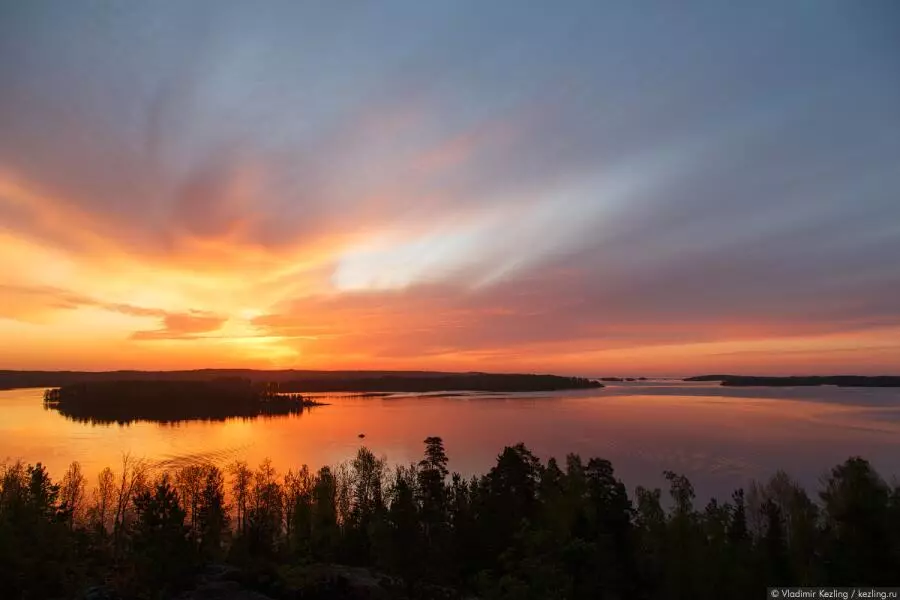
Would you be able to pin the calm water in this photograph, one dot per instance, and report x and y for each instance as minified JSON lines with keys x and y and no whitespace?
{"x":719,"y":437}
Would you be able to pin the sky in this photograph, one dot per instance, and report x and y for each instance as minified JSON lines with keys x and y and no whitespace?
{"x":594,"y":188}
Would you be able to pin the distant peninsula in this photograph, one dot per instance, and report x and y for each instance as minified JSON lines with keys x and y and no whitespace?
{"x":802,"y":381}
{"x":476,"y":382}
{"x":298,"y":381}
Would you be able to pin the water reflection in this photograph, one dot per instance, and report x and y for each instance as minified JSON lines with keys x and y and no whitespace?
{"x":718,"y":437}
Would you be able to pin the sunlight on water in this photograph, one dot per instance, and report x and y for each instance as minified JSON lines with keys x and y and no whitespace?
{"x":719,"y":437}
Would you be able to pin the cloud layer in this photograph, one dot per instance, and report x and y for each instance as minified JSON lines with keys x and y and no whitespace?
{"x":451,"y":185}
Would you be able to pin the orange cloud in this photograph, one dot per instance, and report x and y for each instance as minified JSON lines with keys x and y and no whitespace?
{"x":44,"y":299}
{"x":182,"y":327}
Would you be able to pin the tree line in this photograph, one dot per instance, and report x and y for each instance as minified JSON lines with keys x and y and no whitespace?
{"x":126,"y":401}
{"x":481,"y":382}
{"x":525,"y":529}
{"x":305,"y":380}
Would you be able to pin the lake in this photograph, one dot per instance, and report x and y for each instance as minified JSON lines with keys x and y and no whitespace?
{"x":720,"y":437}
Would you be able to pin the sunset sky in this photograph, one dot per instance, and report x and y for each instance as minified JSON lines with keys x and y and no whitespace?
{"x":592,"y":188}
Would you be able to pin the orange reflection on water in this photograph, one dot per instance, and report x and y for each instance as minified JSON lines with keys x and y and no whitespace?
{"x":720,"y":438}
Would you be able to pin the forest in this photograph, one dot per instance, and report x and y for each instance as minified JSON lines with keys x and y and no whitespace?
{"x":312,"y":381}
{"x":526,"y":529}
{"x":169,"y":401}
{"x":482,"y":382}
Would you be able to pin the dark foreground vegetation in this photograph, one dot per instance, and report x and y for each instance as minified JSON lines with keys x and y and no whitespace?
{"x":169,"y":401}
{"x":838,"y":380}
{"x":312,"y":381}
{"x":363,"y":530}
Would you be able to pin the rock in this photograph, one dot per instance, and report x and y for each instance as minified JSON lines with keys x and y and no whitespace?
{"x":221,"y":590}
{"x":221,"y":582}
{"x":99,"y":592}
{"x":339,"y":582}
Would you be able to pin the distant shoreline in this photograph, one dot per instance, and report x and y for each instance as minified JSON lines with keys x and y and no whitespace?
{"x":298,"y":381}
{"x":874,"y":381}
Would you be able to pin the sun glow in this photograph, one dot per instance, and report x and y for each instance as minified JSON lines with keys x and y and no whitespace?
{"x":234,"y":203}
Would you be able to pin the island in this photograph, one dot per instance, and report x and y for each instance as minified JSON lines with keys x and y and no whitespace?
{"x":128,"y":401}
{"x":801,"y":381}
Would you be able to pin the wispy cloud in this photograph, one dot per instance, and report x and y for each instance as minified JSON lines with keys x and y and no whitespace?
{"x":443,"y":184}
{"x":40,"y":299}
{"x":182,"y":326}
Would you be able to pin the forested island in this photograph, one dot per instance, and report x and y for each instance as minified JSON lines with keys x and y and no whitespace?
{"x":316,"y":381}
{"x":527,"y":529}
{"x":802,"y":381}
{"x":170,"y":401}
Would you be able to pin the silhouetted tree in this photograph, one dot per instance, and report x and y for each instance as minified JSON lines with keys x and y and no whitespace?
{"x":609,"y":529}
{"x":324,"y":531}
{"x":405,"y":536}
{"x":683,"y":541}
{"x":34,"y":547}
{"x":72,"y":492}
{"x":100,"y":513}
{"x":162,"y":551}
{"x":241,"y":479}
{"x":650,"y":524}
{"x":524,"y":530}
{"x":298,"y":489}
{"x":860,"y":550}
{"x":432,"y":499}
{"x":212,"y":515}
{"x":777,"y":566}
{"x":367,"y":506}
{"x":263,"y":524}
{"x":510,"y":490}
